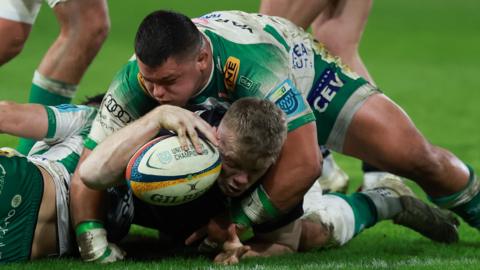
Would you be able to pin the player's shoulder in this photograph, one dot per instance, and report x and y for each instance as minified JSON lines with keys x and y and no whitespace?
{"x":127,"y":91}
{"x":234,"y":26}
{"x":128,"y":72}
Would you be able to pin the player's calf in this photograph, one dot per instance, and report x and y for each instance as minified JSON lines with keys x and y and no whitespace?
{"x":466,"y":202}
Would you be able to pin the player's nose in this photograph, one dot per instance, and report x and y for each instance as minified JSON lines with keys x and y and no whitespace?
{"x":158,"y":91}
{"x":240,"y":180}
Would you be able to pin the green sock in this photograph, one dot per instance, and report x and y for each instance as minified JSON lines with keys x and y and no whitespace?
{"x":363,"y":208}
{"x":45,"y":97}
{"x":47,"y":92}
{"x":465,"y":203}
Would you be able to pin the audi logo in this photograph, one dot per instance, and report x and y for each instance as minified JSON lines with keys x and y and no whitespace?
{"x":116,"y":110}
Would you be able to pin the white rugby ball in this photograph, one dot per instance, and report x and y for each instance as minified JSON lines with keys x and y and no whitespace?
{"x":162,"y":173}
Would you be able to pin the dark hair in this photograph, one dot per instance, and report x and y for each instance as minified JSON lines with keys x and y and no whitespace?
{"x":163,"y":34}
{"x":94,"y":101}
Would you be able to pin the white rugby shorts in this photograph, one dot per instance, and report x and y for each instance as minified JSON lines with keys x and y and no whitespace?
{"x":25,"y":11}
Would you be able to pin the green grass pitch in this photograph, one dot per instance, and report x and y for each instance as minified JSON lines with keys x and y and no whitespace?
{"x":423,"y":54}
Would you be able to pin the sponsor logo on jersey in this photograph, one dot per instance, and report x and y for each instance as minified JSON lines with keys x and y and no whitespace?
{"x":211,"y":15}
{"x":231,"y":69}
{"x":71,"y":108}
{"x":16,"y":201}
{"x":116,"y":109}
{"x":236,"y":24}
{"x":248,"y":84}
{"x":4,"y":226}
{"x":300,"y":57}
{"x":288,"y":98}
{"x":325,"y":90}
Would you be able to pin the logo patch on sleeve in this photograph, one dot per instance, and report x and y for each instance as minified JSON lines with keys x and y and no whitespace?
{"x":325,"y":90}
{"x":231,"y":68}
{"x":288,"y":98}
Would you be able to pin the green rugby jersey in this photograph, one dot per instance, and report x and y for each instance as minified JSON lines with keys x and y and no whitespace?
{"x":253,"y":55}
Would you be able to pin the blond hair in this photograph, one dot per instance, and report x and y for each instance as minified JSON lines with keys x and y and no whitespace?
{"x":259,"y":126}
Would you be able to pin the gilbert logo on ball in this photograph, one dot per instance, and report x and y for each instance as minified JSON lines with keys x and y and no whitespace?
{"x":162,"y":173}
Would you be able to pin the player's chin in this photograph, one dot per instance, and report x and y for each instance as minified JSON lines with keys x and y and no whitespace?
{"x":179,"y":103}
{"x":228,"y":190}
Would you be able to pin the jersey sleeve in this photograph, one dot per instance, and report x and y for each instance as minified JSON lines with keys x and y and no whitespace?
{"x":68,"y":120}
{"x":124,"y":102}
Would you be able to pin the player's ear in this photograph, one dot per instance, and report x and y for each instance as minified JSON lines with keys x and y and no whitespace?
{"x":215,"y":132}
{"x":203,"y":58}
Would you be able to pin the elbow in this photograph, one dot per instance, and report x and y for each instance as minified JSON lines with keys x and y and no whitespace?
{"x":90,"y":30}
{"x":98,"y":31}
{"x":90,"y":176}
{"x":312,"y":166}
{"x":98,"y":175}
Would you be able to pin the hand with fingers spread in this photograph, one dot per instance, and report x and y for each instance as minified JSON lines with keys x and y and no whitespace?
{"x":185,"y":123}
{"x":233,"y":250}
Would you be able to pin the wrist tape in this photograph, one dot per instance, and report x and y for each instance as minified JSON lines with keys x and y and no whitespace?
{"x":92,"y":240}
{"x":256,"y":208}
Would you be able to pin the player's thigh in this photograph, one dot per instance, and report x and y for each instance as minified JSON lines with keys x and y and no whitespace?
{"x":342,"y":23}
{"x":300,"y":12}
{"x":382,"y":134}
{"x":14,"y":35}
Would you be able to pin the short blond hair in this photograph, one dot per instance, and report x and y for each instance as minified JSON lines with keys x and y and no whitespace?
{"x":260,"y":128}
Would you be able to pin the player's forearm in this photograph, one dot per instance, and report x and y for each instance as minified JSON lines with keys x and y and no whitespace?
{"x":106,"y":164}
{"x":84,"y":202}
{"x":296,"y":169}
{"x":23,"y":120}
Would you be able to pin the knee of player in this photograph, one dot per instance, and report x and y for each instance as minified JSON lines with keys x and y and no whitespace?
{"x":89,"y":31}
{"x":96,"y":30}
{"x":11,"y":48}
{"x":101,"y":28}
{"x":314,"y":167}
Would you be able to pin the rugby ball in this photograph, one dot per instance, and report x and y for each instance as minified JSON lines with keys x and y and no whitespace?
{"x":162,"y":173}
